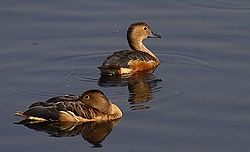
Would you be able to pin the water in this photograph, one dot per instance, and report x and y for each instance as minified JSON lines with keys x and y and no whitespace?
{"x":197,"y":100}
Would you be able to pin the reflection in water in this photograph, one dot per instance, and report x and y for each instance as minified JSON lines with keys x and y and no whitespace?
{"x":140,"y":87}
{"x":93,"y":132}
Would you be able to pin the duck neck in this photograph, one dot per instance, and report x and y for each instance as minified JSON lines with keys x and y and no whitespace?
{"x":139,"y":46}
{"x":116,"y":112}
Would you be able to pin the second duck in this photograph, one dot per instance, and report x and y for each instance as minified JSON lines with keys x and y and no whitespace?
{"x":92,"y":105}
{"x":139,"y":59}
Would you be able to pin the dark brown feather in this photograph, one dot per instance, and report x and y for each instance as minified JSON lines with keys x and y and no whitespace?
{"x":51,"y":108}
{"x":121,"y":59}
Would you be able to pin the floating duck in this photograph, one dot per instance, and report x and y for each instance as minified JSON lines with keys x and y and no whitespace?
{"x":138,"y":59}
{"x":92,"y":105}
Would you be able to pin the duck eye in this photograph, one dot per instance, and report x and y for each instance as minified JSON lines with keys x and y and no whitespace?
{"x":145,"y":28}
{"x":86,"y":97}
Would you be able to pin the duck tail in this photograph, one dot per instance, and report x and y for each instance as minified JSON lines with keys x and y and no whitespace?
{"x":28,"y":117}
{"x":21,"y":114}
{"x":108,"y":71}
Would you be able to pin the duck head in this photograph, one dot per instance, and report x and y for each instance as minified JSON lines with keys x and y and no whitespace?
{"x":97,"y":100}
{"x":137,"y":32}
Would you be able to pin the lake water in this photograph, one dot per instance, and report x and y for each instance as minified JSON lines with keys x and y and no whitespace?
{"x":197,"y":100}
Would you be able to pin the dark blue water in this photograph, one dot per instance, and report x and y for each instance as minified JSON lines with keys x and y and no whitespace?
{"x":197,"y":100}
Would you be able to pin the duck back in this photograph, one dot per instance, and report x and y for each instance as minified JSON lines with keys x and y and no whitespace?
{"x":123,"y":59}
{"x":59,"y":108}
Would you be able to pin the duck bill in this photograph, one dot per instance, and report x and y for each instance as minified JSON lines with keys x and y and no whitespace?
{"x":154,"y":35}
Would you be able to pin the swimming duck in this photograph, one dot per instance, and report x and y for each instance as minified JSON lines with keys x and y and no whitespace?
{"x":138,"y":59}
{"x":92,"y":105}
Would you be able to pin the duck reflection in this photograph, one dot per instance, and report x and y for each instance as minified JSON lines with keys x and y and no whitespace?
{"x":140,"y":87}
{"x":93,"y":132}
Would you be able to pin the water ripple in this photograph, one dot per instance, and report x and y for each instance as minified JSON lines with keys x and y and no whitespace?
{"x":219,"y":4}
{"x":80,"y":76}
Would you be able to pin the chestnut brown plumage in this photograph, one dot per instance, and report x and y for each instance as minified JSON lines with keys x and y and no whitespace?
{"x":138,"y":59}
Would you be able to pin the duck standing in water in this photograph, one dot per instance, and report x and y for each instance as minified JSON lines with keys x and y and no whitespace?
{"x":139,"y":59}
{"x":92,"y":105}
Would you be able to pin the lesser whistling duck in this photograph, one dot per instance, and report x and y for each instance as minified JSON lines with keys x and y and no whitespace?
{"x":138,"y":59}
{"x":92,"y":105}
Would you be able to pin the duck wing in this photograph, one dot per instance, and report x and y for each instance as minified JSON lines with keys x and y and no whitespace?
{"x":121,"y":59}
{"x":60,"y":111}
{"x":65,"y":98}
{"x":58,"y":99}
